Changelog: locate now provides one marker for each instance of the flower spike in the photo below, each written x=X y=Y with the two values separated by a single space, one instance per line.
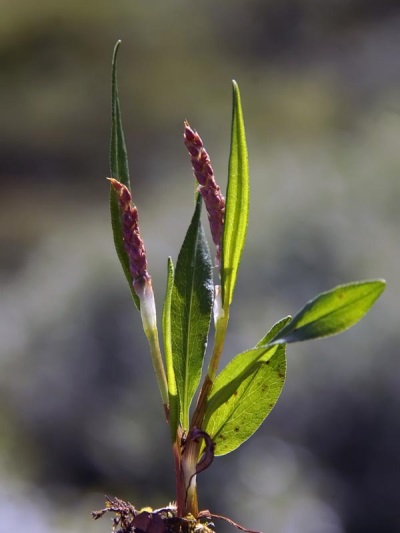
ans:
x=208 y=188
x=142 y=286
x=133 y=242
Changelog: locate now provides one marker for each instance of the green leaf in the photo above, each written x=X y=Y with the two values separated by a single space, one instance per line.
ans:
x=237 y=203
x=273 y=332
x=332 y=312
x=243 y=395
x=191 y=306
x=120 y=171
x=166 y=324
x=118 y=153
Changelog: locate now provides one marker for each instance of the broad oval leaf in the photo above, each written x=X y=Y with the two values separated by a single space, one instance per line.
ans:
x=244 y=368
x=166 y=325
x=237 y=203
x=119 y=170
x=244 y=395
x=191 y=306
x=332 y=312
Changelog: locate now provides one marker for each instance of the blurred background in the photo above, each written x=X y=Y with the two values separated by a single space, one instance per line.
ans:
x=80 y=414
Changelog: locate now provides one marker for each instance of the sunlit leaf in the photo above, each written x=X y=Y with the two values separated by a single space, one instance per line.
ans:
x=332 y=312
x=273 y=332
x=191 y=306
x=237 y=202
x=166 y=324
x=120 y=171
x=243 y=395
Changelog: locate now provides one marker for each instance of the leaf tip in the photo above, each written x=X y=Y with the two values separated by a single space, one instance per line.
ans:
x=277 y=342
x=235 y=87
x=378 y=284
x=116 y=48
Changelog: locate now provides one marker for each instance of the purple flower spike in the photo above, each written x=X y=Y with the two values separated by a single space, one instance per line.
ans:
x=208 y=188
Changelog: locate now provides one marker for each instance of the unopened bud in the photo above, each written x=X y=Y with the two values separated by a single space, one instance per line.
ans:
x=208 y=188
x=133 y=242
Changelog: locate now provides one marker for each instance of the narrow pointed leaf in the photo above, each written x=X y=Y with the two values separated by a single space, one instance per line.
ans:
x=118 y=153
x=119 y=170
x=166 y=324
x=243 y=396
x=273 y=332
x=237 y=202
x=191 y=307
x=332 y=312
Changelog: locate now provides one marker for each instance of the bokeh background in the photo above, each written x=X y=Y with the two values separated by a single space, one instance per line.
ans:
x=80 y=415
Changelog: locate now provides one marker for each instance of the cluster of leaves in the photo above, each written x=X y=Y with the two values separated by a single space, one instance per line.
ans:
x=238 y=399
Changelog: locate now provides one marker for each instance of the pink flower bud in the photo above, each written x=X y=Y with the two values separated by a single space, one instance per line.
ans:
x=133 y=243
x=208 y=188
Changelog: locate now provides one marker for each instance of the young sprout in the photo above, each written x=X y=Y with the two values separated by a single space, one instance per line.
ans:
x=232 y=404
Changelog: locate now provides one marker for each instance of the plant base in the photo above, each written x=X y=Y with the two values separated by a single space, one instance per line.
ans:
x=128 y=519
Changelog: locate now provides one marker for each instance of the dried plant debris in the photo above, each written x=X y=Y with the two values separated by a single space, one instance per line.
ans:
x=128 y=519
